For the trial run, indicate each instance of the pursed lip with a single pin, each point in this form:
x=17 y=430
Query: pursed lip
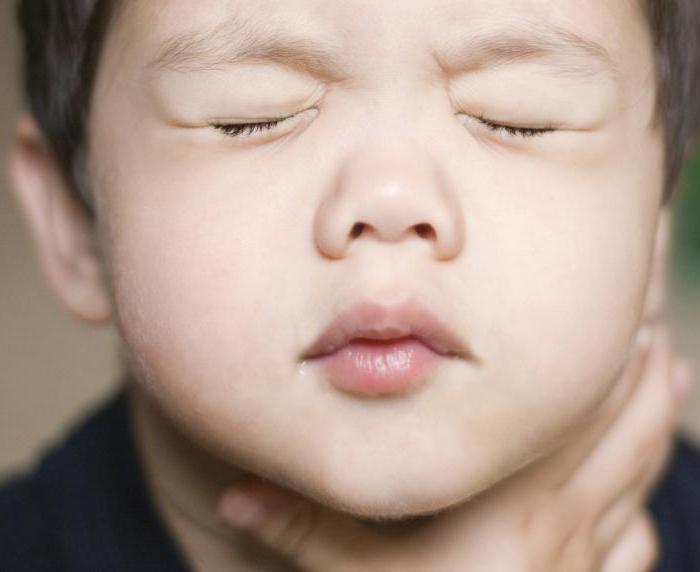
x=374 y=321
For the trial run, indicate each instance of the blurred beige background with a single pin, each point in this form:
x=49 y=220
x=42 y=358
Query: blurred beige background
x=52 y=368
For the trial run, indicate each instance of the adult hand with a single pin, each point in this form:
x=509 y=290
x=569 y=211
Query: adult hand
x=581 y=509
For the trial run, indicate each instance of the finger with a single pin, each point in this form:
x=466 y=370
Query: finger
x=633 y=436
x=628 y=504
x=559 y=469
x=631 y=499
x=314 y=538
x=637 y=550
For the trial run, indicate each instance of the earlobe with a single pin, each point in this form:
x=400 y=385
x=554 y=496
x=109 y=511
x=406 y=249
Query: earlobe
x=64 y=236
x=658 y=279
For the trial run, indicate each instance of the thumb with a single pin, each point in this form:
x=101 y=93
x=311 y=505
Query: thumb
x=315 y=538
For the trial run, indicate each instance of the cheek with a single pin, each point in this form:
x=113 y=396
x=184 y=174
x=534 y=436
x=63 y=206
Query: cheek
x=193 y=285
x=565 y=295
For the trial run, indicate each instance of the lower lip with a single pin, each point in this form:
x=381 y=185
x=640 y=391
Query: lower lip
x=380 y=367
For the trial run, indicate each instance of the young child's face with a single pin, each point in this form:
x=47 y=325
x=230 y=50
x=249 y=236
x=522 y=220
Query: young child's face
x=229 y=256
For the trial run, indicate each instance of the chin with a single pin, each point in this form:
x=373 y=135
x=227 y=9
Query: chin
x=387 y=507
x=382 y=508
x=387 y=494
x=412 y=487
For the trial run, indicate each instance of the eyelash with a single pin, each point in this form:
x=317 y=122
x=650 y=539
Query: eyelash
x=248 y=129
x=515 y=131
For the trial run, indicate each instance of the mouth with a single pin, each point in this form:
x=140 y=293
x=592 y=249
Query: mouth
x=373 y=349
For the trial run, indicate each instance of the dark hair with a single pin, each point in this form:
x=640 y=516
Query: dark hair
x=63 y=40
x=62 y=45
x=675 y=29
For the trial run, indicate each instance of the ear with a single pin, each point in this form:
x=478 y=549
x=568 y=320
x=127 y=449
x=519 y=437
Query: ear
x=655 y=302
x=64 y=236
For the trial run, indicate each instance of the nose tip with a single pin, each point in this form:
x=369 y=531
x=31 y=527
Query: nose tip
x=394 y=199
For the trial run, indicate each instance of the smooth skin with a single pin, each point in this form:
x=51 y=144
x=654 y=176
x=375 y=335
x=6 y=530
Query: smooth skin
x=221 y=258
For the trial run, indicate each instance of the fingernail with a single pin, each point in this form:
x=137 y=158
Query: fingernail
x=644 y=335
x=242 y=510
x=683 y=378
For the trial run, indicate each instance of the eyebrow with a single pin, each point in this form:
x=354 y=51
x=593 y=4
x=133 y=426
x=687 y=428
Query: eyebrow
x=567 y=52
x=239 y=40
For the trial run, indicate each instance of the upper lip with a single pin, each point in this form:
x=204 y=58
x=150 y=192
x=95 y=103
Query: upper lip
x=372 y=320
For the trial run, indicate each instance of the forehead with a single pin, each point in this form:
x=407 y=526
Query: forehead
x=334 y=35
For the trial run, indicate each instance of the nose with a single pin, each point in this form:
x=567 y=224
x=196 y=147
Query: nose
x=391 y=199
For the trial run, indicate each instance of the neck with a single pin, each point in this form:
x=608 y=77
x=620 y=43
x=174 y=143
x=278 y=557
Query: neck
x=185 y=482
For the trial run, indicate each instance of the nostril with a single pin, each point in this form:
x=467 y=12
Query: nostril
x=357 y=229
x=424 y=230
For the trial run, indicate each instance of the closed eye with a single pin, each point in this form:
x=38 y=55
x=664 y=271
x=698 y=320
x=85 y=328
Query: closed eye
x=248 y=129
x=513 y=130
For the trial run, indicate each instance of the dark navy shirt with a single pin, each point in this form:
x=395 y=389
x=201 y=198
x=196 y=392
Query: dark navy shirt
x=85 y=507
